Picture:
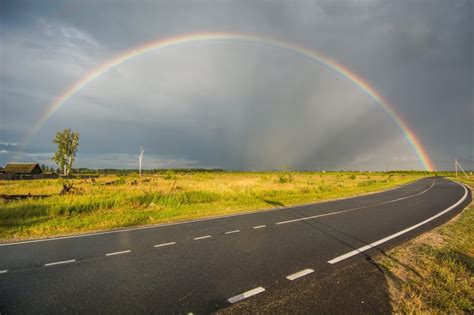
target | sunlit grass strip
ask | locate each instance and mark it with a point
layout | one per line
(117, 201)
(434, 273)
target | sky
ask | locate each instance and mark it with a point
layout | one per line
(240, 105)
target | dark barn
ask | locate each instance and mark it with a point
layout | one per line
(22, 169)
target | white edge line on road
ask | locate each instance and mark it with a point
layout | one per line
(259, 227)
(60, 262)
(232, 232)
(299, 274)
(358, 208)
(245, 295)
(153, 226)
(4, 271)
(165, 244)
(202, 237)
(372, 245)
(118, 253)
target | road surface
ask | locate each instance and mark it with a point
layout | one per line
(208, 265)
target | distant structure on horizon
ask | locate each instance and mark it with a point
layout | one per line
(140, 158)
(22, 168)
(24, 171)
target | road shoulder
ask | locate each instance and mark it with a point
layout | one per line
(433, 273)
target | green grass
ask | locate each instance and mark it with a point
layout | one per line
(127, 200)
(434, 273)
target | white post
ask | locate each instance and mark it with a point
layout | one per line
(456, 166)
(462, 169)
(140, 157)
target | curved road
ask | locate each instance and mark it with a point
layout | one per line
(206, 265)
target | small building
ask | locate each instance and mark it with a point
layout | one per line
(22, 169)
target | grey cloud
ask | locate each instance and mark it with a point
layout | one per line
(238, 105)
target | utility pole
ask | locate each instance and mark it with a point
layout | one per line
(140, 157)
(456, 166)
(460, 167)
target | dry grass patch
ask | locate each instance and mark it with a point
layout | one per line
(434, 273)
(110, 202)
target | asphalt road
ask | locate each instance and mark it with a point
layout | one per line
(216, 264)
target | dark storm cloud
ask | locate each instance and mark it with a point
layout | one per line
(240, 105)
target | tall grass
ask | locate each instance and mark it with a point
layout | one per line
(433, 274)
(124, 200)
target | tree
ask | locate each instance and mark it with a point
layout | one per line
(67, 142)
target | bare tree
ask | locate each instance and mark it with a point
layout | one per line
(67, 142)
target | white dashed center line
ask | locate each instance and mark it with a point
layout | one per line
(390, 237)
(60, 262)
(3, 271)
(354, 209)
(318, 216)
(232, 232)
(202, 237)
(299, 274)
(259, 227)
(165, 244)
(118, 253)
(245, 295)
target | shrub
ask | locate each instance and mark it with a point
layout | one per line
(120, 181)
(366, 183)
(285, 178)
(169, 175)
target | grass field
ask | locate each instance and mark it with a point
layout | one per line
(434, 273)
(122, 201)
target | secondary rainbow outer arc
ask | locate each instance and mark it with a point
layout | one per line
(224, 36)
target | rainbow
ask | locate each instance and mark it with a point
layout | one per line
(227, 36)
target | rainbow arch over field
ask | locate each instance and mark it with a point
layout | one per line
(230, 36)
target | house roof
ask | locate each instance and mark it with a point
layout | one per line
(20, 167)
